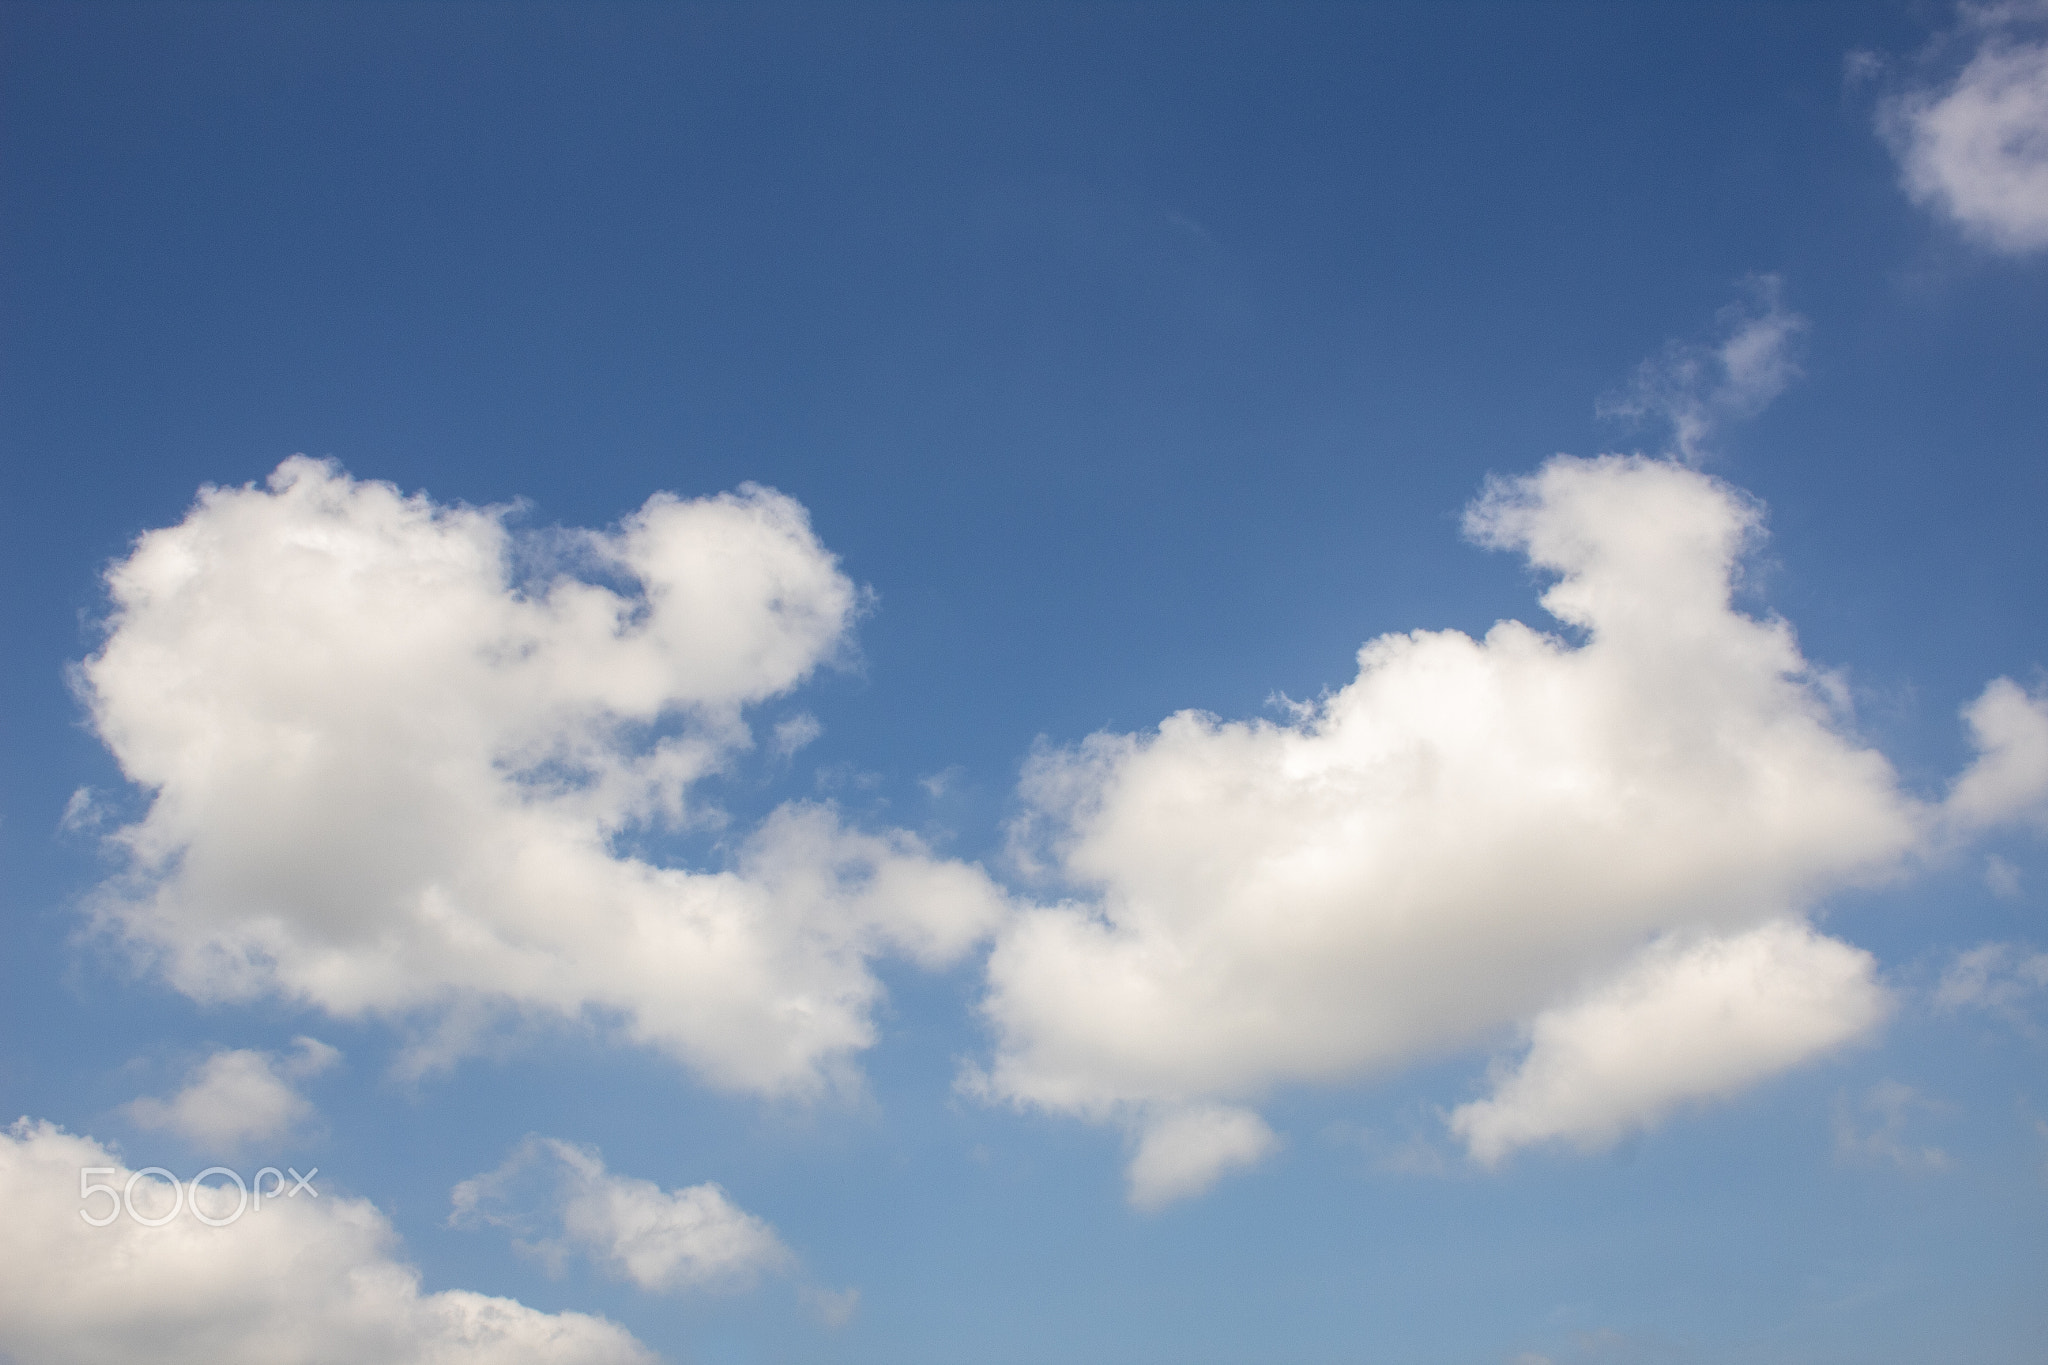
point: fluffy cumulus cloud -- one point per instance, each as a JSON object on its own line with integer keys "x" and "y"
{"x": 298, "y": 1281}
{"x": 239, "y": 1095}
{"x": 1609, "y": 840}
{"x": 392, "y": 749}
{"x": 1975, "y": 148}
{"x": 558, "y": 1198}
{"x": 1683, "y": 1022}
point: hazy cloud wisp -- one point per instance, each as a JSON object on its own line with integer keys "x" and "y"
{"x": 1695, "y": 387}
{"x": 659, "y": 1240}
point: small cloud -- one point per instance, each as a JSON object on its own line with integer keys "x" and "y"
{"x": 1184, "y": 1153}
{"x": 2002, "y": 877}
{"x": 239, "y": 1096}
{"x": 795, "y": 733}
{"x": 833, "y": 1307}
{"x": 83, "y": 813}
{"x": 2007, "y": 783}
{"x": 1696, "y": 387}
{"x": 1998, "y": 978}
{"x": 1872, "y": 1130}
{"x": 557, "y": 1199}
{"x": 938, "y": 784}
{"x": 1974, "y": 148}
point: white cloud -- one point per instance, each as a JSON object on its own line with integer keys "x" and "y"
{"x": 239, "y": 1096}
{"x": 660, "y": 1240}
{"x": 1470, "y": 834}
{"x": 390, "y": 745}
{"x": 1183, "y": 1153}
{"x": 1998, "y": 978}
{"x": 1975, "y": 149}
{"x": 300, "y": 1281}
{"x": 1695, "y": 387}
{"x": 82, "y": 812}
{"x": 796, "y": 732}
{"x": 1879, "y": 1136}
{"x": 1686, "y": 1021}
{"x": 2009, "y": 781}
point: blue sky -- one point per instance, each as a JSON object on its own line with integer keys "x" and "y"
{"x": 1666, "y": 982}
